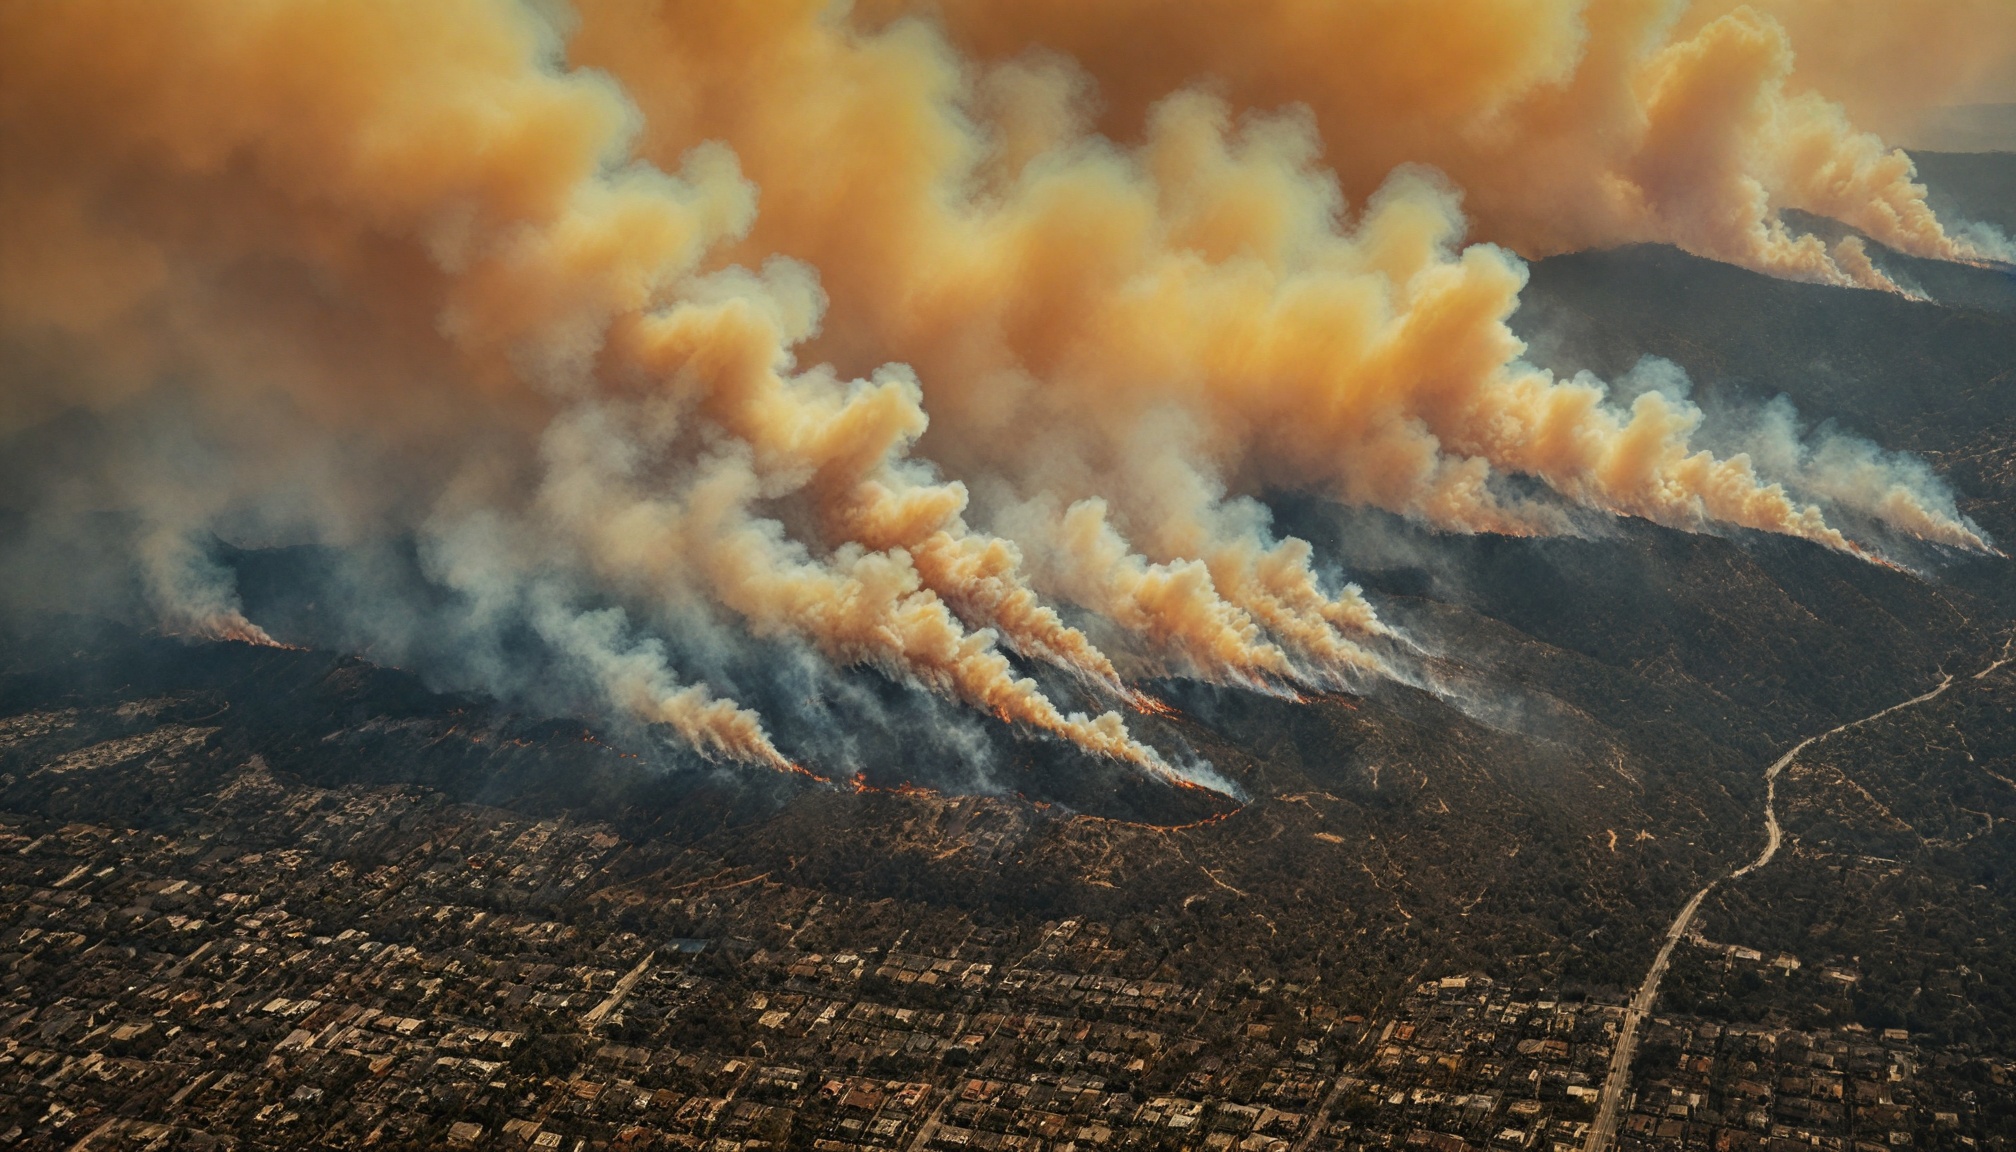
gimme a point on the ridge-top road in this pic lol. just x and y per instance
(1617, 1080)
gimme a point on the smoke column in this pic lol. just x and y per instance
(854, 333)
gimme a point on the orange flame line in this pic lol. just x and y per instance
(1148, 705)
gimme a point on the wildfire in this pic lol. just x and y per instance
(1864, 554)
(858, 783)
(1341, 699)
(232, 629)
(1148, 705)
(1189, 785)
(792, 767)
(589, 738)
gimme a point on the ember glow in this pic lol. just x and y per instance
(926, 341)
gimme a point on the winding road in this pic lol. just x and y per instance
(1617, 1081)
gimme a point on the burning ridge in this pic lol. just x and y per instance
(824, 333)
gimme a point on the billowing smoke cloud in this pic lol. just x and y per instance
(648, 350)
(1891, 65)
(1569, 123)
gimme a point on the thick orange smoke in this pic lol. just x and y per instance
(1201, 311)
(1568, 123)
(647, 348)
(1890, 65)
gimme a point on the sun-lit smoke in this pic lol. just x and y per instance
(1197, 313)
(1890, 65)
(1842, 473)
(1569, 123)
(856, 336)
(1173, 607)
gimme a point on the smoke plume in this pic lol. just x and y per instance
(873, 338)
(1569, 123)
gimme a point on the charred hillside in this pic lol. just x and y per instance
(1577, 745)
(1587, 748)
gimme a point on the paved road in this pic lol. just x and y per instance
(617, 995)
(1617, 1081)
